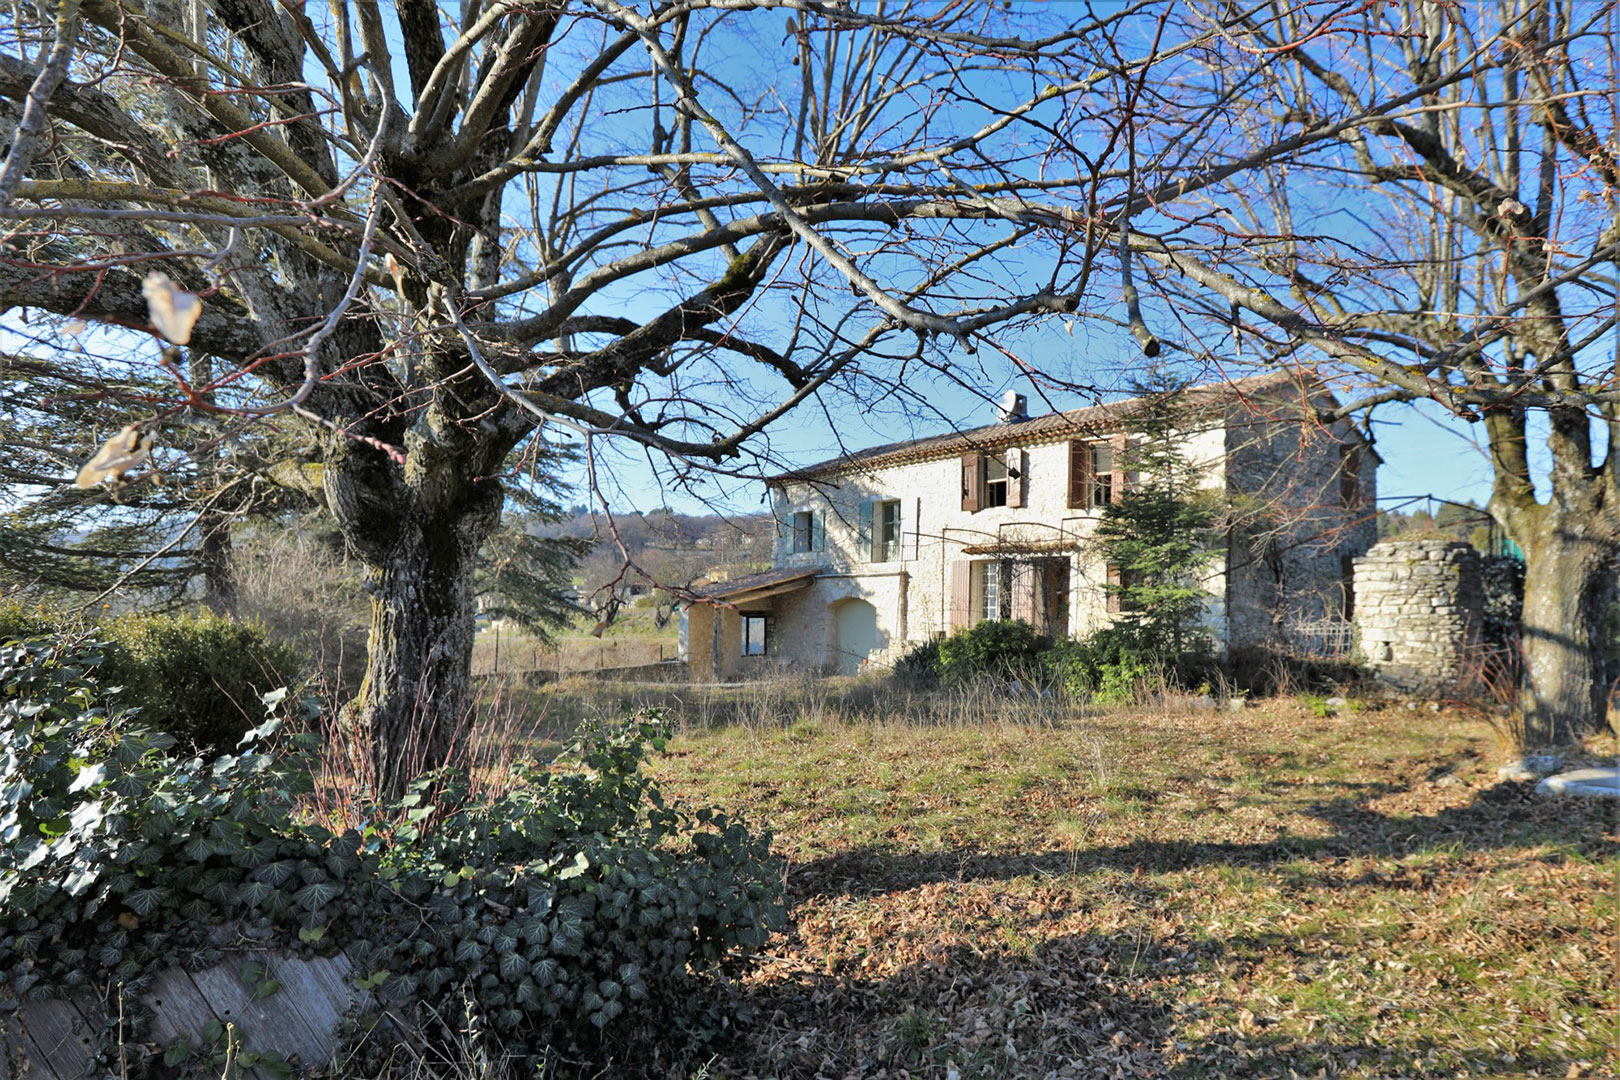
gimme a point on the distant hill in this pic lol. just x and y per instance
(672, 550)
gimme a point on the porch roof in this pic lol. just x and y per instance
(759, 586)
(1061, 546)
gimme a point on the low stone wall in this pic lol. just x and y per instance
(1419, 609)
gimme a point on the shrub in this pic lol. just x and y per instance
(920, 664)
(579, 908)
(1113, 665)
(1104, 667)
(198, 677)
(1004, 648)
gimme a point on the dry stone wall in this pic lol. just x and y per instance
(1419, 609)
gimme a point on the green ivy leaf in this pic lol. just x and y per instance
(316, 895)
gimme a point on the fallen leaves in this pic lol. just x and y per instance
(1354, 919)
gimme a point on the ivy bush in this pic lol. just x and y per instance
(581, 909)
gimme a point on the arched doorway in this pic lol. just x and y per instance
(855, 634)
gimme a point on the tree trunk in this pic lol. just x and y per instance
(219, 572)
(419, 531)
(1568, 585)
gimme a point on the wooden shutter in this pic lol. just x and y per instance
(972, 482)
(961, 594)
(1023, 592)
(1079, 474)
(818, 531)
(1017, 466)
(866, 538)
(1115, 581)
(1117, 489)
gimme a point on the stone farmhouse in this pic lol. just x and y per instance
(882, 549)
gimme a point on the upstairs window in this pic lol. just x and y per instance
(881, 530)
(807, 532)
(995, 482)
(1102, 474)
(993, 479)
(1096, 473)
(886, 531)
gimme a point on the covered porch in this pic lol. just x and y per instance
(737, 629)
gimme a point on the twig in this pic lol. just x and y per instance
(25, 141)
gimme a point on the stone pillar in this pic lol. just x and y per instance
(1419, 610)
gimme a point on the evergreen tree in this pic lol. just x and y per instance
(1158, 538)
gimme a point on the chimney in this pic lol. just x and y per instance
(1013, 408)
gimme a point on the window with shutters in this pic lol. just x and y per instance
(807, 531)
(1095, 476)
(1119, 580)
(886, 531)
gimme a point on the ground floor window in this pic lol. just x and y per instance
(754, 629)
(992, 591)
(1034, 590)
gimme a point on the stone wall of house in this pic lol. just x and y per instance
(1419, 610)
(912, 591)
(1284, 471)
(1304, 496)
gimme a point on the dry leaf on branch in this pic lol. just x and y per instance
(174, 312)
(117, 456)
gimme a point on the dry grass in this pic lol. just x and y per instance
(1265, 893)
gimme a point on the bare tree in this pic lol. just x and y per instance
(423, 231)
(1419, 201)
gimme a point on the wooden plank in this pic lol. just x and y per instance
(335, 975)
(319, 1002)
(178, 1008)
(51, 1040)
(261, 1023)
(299, 1021)
(56, 1040)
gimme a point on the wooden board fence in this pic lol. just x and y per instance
(53, 1040)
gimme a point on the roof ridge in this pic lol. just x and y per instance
(1051, 427)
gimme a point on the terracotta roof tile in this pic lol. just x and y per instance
(1053, 427)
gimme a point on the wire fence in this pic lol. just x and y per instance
(1328, 639)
